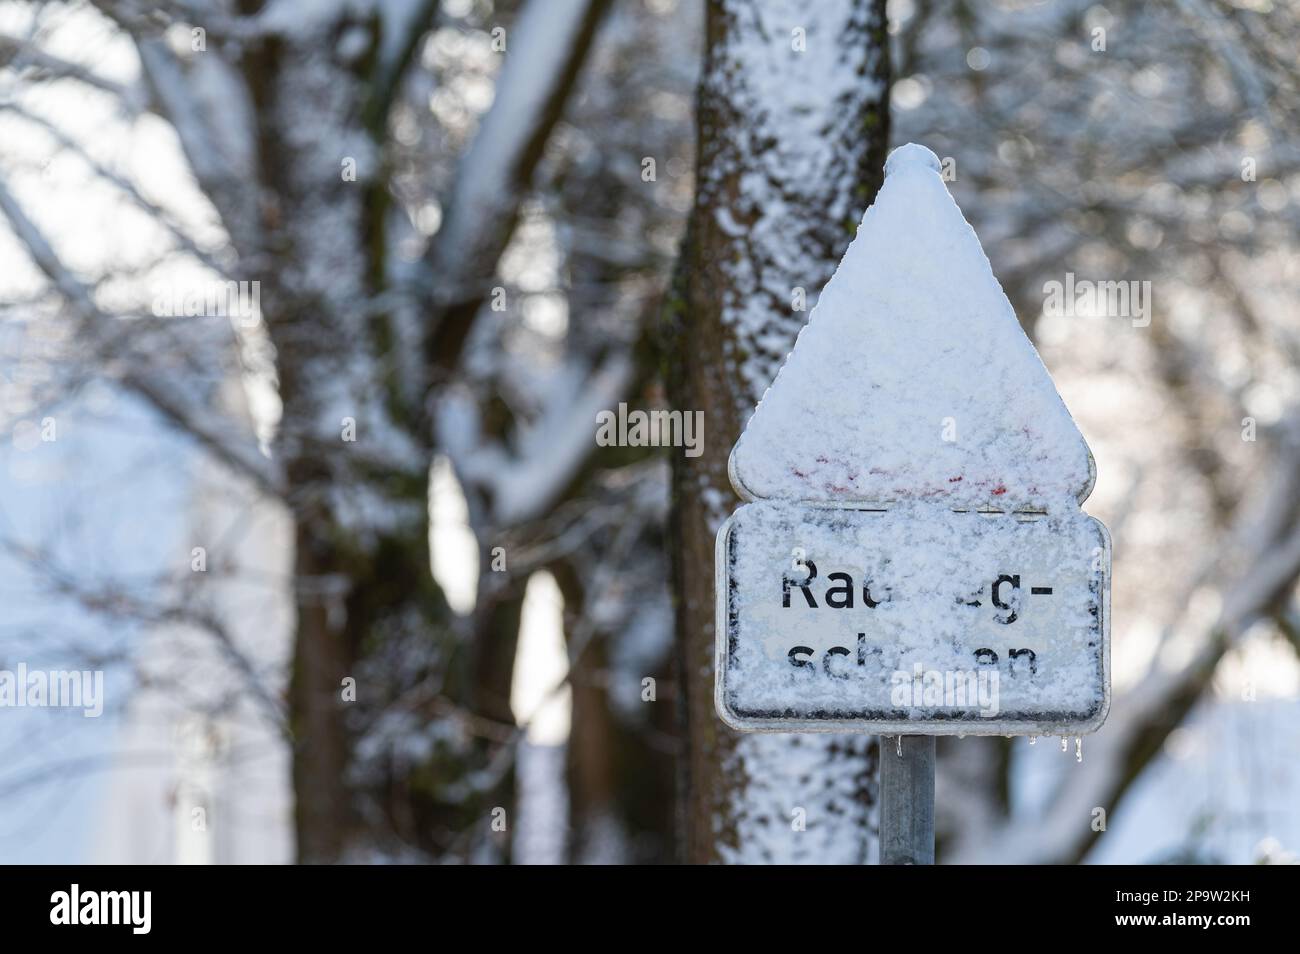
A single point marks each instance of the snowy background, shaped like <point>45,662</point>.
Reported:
<point>488,277</point>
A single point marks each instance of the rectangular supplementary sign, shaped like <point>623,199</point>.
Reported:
<point>912,621</point>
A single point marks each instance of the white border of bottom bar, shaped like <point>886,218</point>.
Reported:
<point>721,559</point>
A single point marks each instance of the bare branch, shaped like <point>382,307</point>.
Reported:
<point>16,54</point>
<point>115,602</point>
<point>209,435</point>
<point>127,187</point>
<point>399,42</point>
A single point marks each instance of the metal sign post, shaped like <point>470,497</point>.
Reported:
<point>907,800</point>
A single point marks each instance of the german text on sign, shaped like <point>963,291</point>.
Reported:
<point>917,618</point>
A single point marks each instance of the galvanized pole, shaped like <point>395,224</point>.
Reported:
<point>907,800</point>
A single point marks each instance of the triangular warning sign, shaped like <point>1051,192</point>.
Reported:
<point>913,379</point>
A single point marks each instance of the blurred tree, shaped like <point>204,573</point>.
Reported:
<point>1158,144</point>
<point>325,136</point>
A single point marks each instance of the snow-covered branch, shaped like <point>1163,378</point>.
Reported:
<point>522,486</point>
<point>210,108</point>
<point>547,47</point>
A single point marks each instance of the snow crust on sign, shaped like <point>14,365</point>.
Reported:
<point>923,566</point>
<point>913,378</point>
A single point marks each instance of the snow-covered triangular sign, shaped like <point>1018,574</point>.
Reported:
<point>913,380</point>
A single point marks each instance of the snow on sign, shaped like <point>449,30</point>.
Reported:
<point>912,621</point>
<point>914,560</point>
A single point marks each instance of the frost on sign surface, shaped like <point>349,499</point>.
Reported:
<point>916,619</point>
<point>913,379</point>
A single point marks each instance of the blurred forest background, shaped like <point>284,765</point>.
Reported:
<point>364,586</point>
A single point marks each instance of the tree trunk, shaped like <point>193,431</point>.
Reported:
<point>355,463</point>
<point>619,766</point>
<point>793,131</point>
<point>323,816</point>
